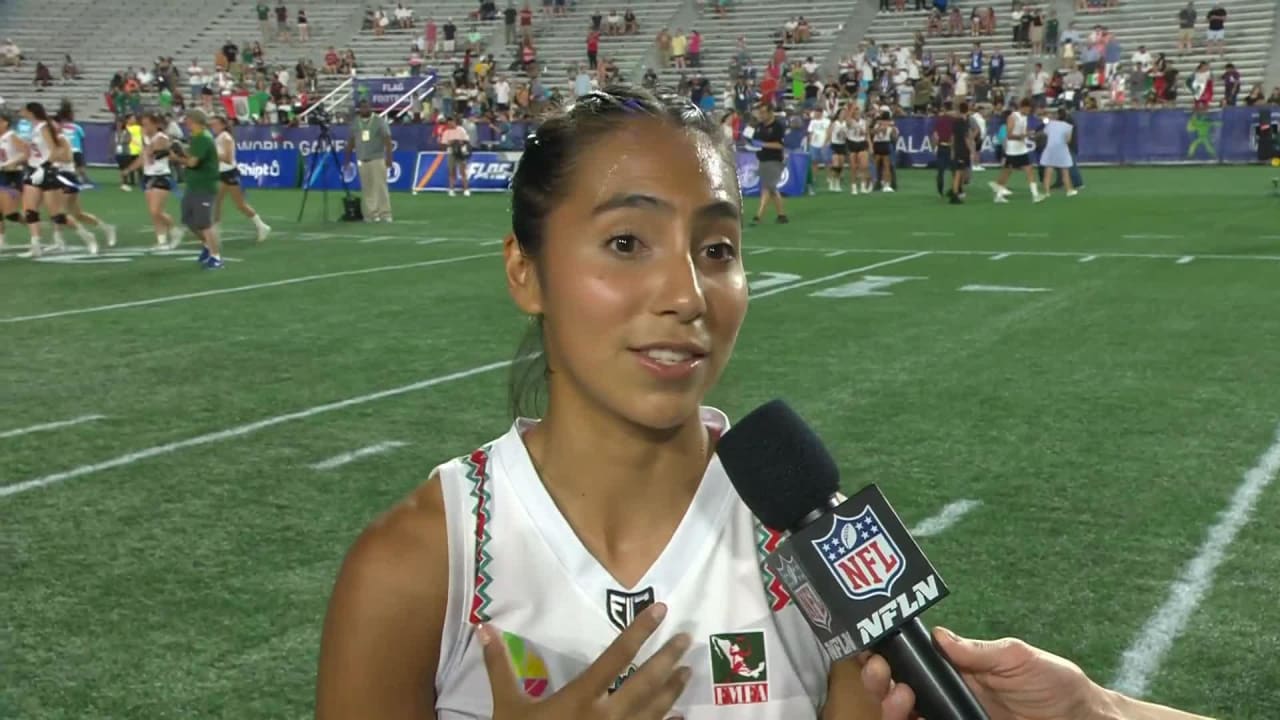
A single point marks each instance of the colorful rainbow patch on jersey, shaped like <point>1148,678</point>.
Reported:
<point>529,666</point>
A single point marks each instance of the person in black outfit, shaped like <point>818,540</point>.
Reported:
<point>769,133</point>
<point>962,152</point>
<point>943,134</point>
<point>509,23</point>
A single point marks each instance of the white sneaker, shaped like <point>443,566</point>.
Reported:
<point>853,189</point>
<point>887,188</point>
<point>1039,198</point>
<point>263,232</point>
<point>387,219</point>
<point>1002,199</point>
<point>466,193</point>
<point>110,230</point>
<point>175,238</point>
<point>34,252</point>
<point>1072,193</point>
<point>90,241</point>
<point>452,193</point>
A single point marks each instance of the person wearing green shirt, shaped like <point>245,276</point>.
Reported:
<point>201,161</point>
<point>264,20</point>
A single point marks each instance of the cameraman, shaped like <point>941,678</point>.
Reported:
<point>371,138</point>
<point>457,143</point>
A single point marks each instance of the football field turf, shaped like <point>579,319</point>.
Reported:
<point>185,455</point>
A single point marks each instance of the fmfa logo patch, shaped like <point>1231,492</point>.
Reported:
<point>861,555</point>
<point>739,668</point>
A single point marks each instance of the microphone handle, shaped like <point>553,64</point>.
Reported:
<point>914,660</point>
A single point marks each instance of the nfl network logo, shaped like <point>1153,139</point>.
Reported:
<point>861,555</point>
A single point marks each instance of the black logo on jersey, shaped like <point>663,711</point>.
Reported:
<point>623,607</point>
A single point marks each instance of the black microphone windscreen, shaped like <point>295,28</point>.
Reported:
<point>778,465</point>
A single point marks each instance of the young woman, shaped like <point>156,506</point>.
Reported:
<point>884,136</point>
<point>72,175</point>
<point>1057,154</point>
<point>124,158</point>
<point>458,144</point>
<point>859,172</point>
<point>838,136</point>
<point>157,180</point>
<point>13,155</point>
<point>522,570</point>
<point>41,183</point>
<point>229,178</point>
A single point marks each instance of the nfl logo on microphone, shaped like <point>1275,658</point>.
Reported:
<point>861,555</point>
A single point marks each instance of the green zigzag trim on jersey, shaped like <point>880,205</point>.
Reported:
<point>478,473</point>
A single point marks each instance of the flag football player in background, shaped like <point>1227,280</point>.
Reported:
<point>157,180</point>
<point>229,179</point>
<point>596,562</point>
<point>13,155</point>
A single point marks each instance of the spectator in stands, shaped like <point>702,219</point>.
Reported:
<point>430,34</point>
<point>43,78</point>
<point>955,22</point>
<point>1037,33</point>
<point>1274,97</point>
<point>1202,86</point>
<point>475,40</point>
<point>528,56</point>
<point>1038,83</point>
<point>10,54</point>
<point>593,47</point>
<point>1255,96</point>
<point>613,23</point>
<point>332,63</point>
<point>526,22</point>
<point>380,23</point>
<point>631,25</point>
<point>69,69</point>
<point>995,67</point>
<point>679,46</point>
<point>264,20</point>
<point>450,33</point>
<point>1230,85</point>
<point>1216,35</point>
<point>933,25</point>
<point>304,28</point>
<point>509,18</point>
<point>1186,27</point>
<point>597,20</point>
<point>694,51</point>
<point>282,23</point>
<point>663,41</point>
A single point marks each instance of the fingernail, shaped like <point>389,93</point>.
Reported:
<point>485,634</point>
<point>659,612</point>
<point>949,635</point>
<point>683,641</point>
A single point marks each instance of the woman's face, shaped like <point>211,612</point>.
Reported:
<point>640,280</point>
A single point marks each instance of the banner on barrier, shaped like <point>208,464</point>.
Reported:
<point>794,169</point>
<point>325,174</point>
<point>486,171</point>
<point>268,169</point>
<point>381,92</point>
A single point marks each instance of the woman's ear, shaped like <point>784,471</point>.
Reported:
<point>522,277</point>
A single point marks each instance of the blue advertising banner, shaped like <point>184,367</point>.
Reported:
<point>268,169</point>
<point>325,174</point>
<point>382,92</point>
<point>486,171</point>
<point>795,167</point>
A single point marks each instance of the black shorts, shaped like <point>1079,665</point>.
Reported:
<point>197,210</point>
<point>961,162</point>
<point>839,149</point>
<point>47,178</point>
<point>882,148</point>
<point>157,182</point>
<point>1017,162</point>
<point>11,179</point>
<point>858,146</point>
<point>68,182</point>
<point>124,161</point>
<point>77,157</point>
<point>230,177</point>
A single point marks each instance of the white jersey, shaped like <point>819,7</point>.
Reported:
<point>224,142</point>
<point>818,133</point>
<point>884,131</point>
<point>515,562</point>
<point>839,132</point>
<point>39,150</point>
<point>857,130</point>
<point>10,153</point>
<point>151,165</point>
<point>1017,126</point>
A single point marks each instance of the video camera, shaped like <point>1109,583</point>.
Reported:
<point>320,116</point>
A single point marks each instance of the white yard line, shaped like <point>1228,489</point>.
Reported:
<point>1186,259</point>
<point>347,457</point>
<point>948,516</point>
<point>932,234</point>
<point>240,288</point>
<point>1001,256</point>
<point>836,253</point>
<point>1001,288</point>
<point>1088,258</point>
<point>50,426</point>
<point>241,430</point>
<point>1151,237</point>
<point>1031,253</point>
<point>1028,235</point>
<point>834,276</point>
<point>1141,661</point>
<point>380,238</point>
<point>760,251</point>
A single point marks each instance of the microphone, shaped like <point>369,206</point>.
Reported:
<point>851,567</point>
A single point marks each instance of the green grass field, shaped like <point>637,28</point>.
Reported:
<point>173,558</point>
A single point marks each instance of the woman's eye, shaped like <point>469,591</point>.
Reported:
<point>721,251</point>
<point>625,244</point>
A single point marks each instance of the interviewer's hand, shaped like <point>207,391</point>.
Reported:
<point>646,695</point>
<point>1011,679</point>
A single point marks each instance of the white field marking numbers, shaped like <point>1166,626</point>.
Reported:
<point>948,516</point>
<point>758,281</point>
<point>378,239</point>
<point>1141,661</point>
<point>1001,256</point>
<point>868,286</point>
<point>349,457</point>
<point>836,276</point>
<point>1088,258</point>
<point>1034,253</point>
<point>49,426</point>
<point>1186,259</point>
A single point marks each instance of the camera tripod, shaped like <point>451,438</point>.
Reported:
<point>326,152</point>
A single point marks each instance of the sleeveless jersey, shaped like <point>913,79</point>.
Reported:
<point>857,130</point>
<point>225,140</point>
<point>39,150</point>
<point>884,132</point>
<point>152,166</point>
<point>9,152</point>
<point>839,132</point>
<point>515,562</point>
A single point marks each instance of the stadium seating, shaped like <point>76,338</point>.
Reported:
<point>1154,23</point>
<point>760,23</point>
<point>897,29</point>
